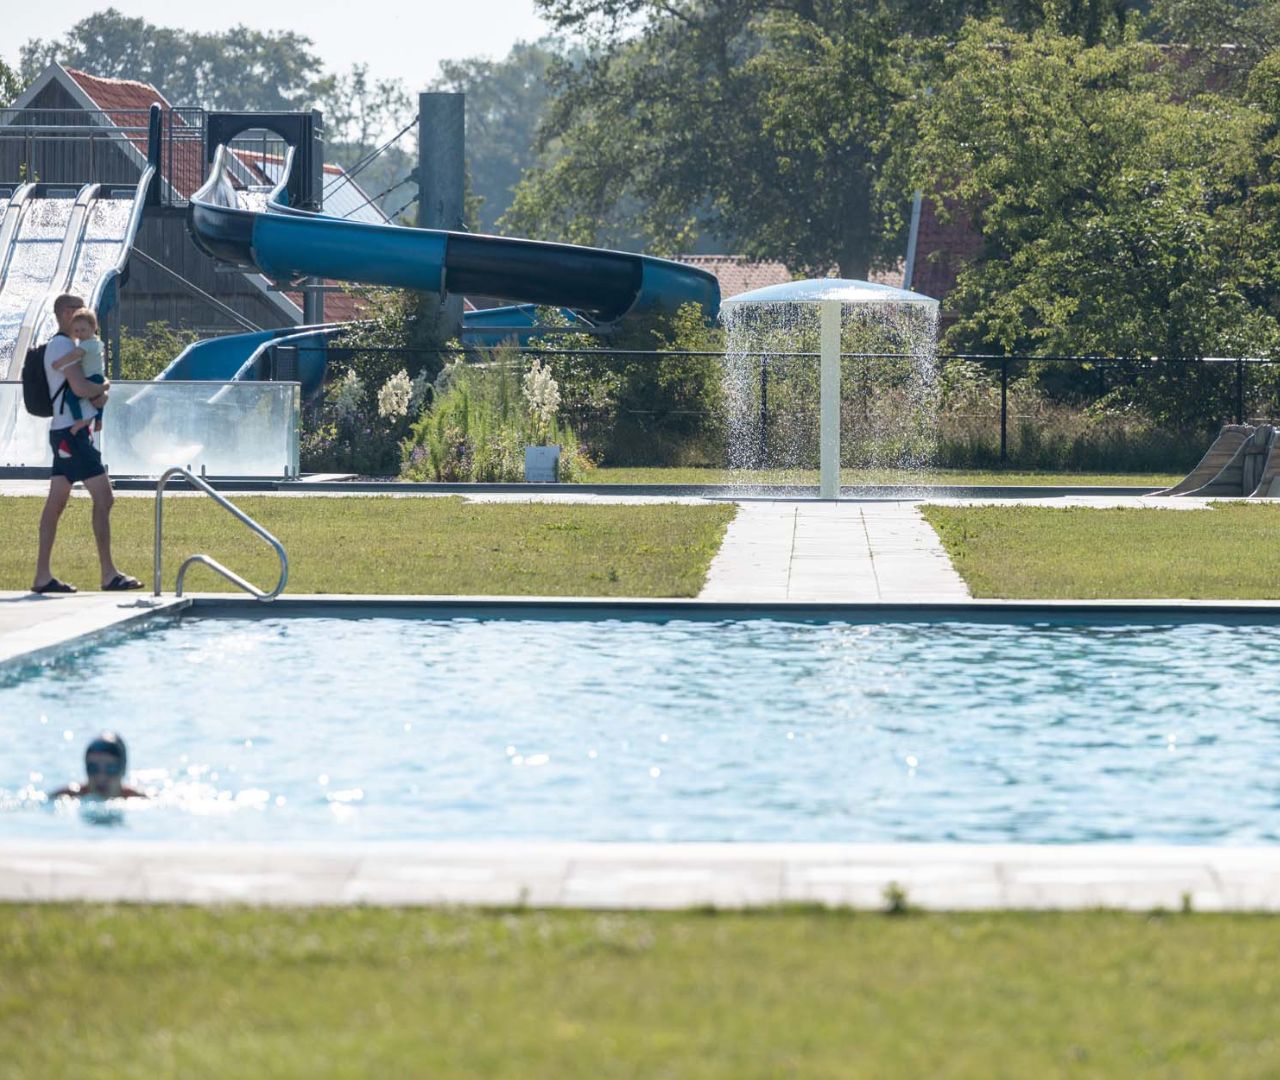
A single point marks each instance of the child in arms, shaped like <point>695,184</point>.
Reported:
<point>88,354</point>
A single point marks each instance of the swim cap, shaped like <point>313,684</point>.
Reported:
<point>108,743</point>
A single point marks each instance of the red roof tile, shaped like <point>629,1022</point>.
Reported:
<point>338,306</point>
<point>112,94</point>
<point>738,274</point>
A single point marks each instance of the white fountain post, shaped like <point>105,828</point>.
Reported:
<point>829,401</point>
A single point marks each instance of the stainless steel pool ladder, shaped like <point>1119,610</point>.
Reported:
<point>213,564</point>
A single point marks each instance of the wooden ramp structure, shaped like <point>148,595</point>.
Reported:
<point>1242,462</point>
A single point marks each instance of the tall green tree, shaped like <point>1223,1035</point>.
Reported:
<point>507,100</point>
<point>760,122</point>
<point>770,123</point>
<point>1115,217</point>
<point>238,68</point>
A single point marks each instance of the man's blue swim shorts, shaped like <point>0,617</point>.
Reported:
<point>75,456</point>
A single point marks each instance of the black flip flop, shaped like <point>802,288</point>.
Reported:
<point>53,585</point>
<point>122,583</point>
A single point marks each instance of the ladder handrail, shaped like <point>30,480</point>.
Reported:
<point>213,564</point>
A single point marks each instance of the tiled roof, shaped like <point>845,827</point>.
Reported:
<point>338,306</point>
<point>126,103</point>
<point>111,94</point>
<point>738,274</point>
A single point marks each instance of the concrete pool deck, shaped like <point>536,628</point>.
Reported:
<point>940,877</point>
<point>32,626</point>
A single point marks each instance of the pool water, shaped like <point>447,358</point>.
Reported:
<point>623,729</point>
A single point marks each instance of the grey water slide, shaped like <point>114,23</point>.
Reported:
<point>1243,461</point>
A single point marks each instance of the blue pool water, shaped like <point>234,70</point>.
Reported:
<point>635,729</point>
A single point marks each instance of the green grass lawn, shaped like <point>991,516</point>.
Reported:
<point>852,477</point>
<point>1231,552</point>
<point>125,992</point>
<point>390,545</point>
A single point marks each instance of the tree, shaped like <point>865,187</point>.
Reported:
<point>10,85</point>
<point>1115,217</point>
<point>752,120</point>
<point>506,102</point>
<point>768,122</point>
<point>360,113</point>
<point>236,69</point>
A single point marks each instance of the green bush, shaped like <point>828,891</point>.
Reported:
<point>480,422</point>
<point>144,355</point>
<point>355,429</point>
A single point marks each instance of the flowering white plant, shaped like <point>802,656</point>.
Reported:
<point>347,395</point>
<point>541,392</point>
<point>394,397</point>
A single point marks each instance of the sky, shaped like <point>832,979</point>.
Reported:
<point>396,40</point>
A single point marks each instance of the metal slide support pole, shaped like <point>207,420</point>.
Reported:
<point>1239,391</point>
<point>441,178</point>
<point>829,401</point>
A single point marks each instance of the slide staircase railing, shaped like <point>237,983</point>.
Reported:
<point>206,560</point>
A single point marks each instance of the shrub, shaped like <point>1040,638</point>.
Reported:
<point>144,355</point>
<point>357,429</point>
<point>482,417</point>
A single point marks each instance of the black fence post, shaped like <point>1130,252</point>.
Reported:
<point>1004,411</point>
<point>1239,391</point>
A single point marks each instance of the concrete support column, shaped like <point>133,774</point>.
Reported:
<point>829,401</point>
<point>441,173</point>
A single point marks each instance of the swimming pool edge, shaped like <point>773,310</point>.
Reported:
<point>647,876</point>
<point>88,618</point>
<point>49,624</point>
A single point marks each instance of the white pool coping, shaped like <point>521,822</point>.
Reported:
<point>935,877</point>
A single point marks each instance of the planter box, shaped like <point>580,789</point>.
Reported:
<point>541,464</point>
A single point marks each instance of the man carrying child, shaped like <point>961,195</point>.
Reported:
<point>77,402</point>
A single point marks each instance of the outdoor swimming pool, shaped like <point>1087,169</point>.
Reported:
<point>643,728</point>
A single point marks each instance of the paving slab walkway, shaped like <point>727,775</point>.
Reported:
<point>832,552</point>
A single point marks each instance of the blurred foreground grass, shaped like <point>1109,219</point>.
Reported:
<point>125,992</point>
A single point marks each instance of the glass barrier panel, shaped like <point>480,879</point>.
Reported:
<point>218,429</point>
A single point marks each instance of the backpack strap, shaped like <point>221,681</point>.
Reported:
<point>65,388</point>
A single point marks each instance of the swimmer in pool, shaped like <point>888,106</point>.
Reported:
<point>104,764</point>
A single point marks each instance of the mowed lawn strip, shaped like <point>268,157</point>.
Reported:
<point>854,477</point>
<point>140,992</point>
<point>1228,552</point>
<point>390,545</point>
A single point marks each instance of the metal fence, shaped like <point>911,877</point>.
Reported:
<point>76,146</point>
<point>988,409</point>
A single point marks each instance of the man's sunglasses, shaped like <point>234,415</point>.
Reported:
<point>109,768</point>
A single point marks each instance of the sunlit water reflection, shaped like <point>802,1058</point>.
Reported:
<point>407,729</point>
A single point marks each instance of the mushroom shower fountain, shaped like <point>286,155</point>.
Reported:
<point>891,332</point>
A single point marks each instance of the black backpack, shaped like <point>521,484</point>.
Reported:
<point>35,385</point>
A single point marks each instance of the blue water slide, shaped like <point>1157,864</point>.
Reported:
<point>289,244</point>
<point>236,357</point>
